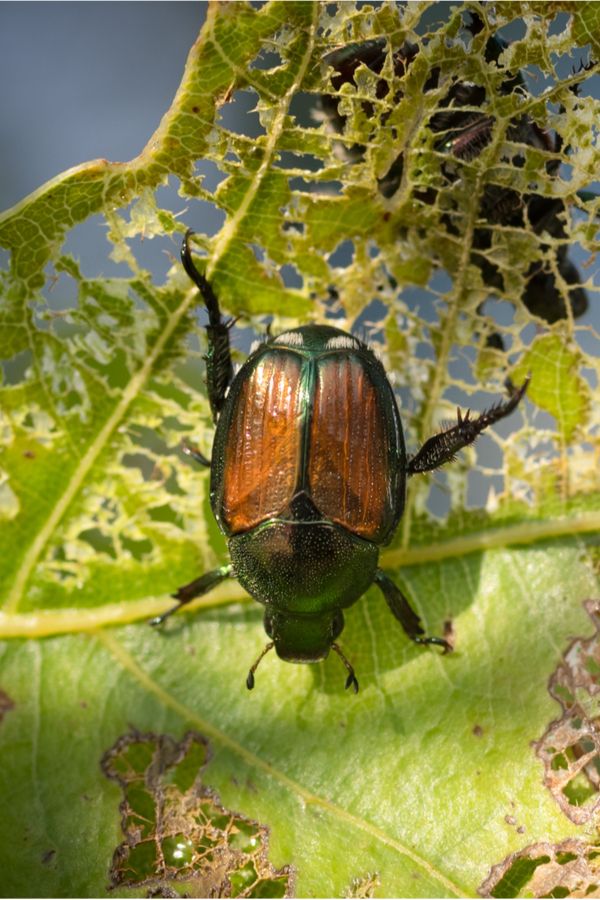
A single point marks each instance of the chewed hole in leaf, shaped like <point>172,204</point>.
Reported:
<point>570,748</point>
<point>176,832</point>
<point>580,790</point>
<point>303,186</point>
<point>239,115</point>
<point>100,542</point>
<point>289,160</point>
<point>302,110</point>
<point>518,876</point>
<point>342,255</point>
<point>165,513</point>
<point>266,60</point>
<point>291,276</point>
<point>210,173</point>
<point>15,369</point>
<point>137,549</point>
<point>145,464</point>
<point>206,217</point>
<point>568,869</point>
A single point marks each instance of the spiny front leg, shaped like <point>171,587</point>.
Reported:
<point>443,447</point>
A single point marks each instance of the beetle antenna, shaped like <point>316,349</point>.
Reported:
<point>250,678</point>
<point>351,679</point>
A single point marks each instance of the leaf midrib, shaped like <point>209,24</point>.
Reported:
<point>48,622</point>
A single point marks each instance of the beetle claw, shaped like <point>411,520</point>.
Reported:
<point>352,681</point>
<point>438,642</point>
<point>443,643</point>
<point>250,680</point>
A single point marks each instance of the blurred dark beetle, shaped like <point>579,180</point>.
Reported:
<point>464,129</point>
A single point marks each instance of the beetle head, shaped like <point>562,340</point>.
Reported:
<point>303,639</point>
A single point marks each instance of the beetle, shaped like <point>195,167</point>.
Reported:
<point>308,479</point>
<point>463,127</point>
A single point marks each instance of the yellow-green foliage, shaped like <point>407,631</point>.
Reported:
<point>428,777</point>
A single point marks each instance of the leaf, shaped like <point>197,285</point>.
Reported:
<point>585,26</point>
<point>558,389</point>
<point>428,782</point>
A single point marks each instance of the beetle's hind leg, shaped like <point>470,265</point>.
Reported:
<point>219,367</point>
<point>403,611</point>
<point>443,447</point>
<point>194,589</point>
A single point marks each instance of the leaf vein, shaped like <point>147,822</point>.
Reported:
<point>116,649</point>
<point>89,458</point>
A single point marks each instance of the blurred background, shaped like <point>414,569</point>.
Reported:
<point>83,81</point>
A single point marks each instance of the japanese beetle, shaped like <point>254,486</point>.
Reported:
<point>308,478</point>
<point>465,127</point>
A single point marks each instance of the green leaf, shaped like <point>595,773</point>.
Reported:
<point>586,23</point>
<point>135,760</point>
<point>558,388</point>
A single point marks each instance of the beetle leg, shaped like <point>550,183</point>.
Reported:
<point>194,589</point>
<point>351,680</point>
<point>443,447</point>
<point>402,610</point>
<point>197,455</point>
<point>219,367</point>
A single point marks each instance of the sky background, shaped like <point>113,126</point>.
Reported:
<point>82,81</point>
